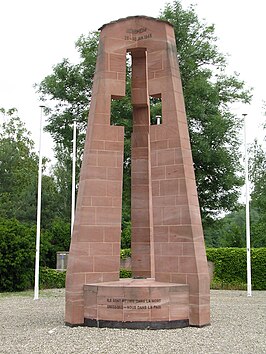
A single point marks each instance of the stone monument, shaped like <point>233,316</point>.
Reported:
<point>170,287</point>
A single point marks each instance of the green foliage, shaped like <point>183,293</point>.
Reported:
<point>62,174</point>
<point>230,269</point>
<point>58,236</point>
<point>17,252</point>
<point>233,285</point>
<point>230,231</point>
<point>231,265</point>
<point>18,248</point>
<point>125,273</point>
<point>258,234</point>
<point>18,166</point>
<point>208,93</point>
<point>257,171</point>
<point>19,174</point>
<point>258,264</point>
<point>126,234</point>
<point>51,278</point>
<point>125,253</point>
<point>70,87</point>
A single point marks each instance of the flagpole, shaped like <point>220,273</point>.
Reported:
<point>249,291</point>
<point>73,199</point>
<point>39,198</point>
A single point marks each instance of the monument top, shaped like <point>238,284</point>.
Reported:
<point>139,17</point>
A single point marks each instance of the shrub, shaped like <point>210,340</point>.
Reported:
<point>229,273</point>
<point>58,237</point>
<point>258,268</point>
<point>231,267</point>
<point>125,273</point>
<point>125,253</point>
<point>17,254</point>
<point>51,278</point>
<point>126,234</point>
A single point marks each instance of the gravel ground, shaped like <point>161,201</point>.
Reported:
<point>28,326</point>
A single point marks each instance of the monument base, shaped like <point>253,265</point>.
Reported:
<point>137,324</point>
<point>136,304</point>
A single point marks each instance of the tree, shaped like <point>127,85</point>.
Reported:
<point>58,238</point>
<point>18,176</point>
<point>208,94</point>
<point>230,231</point>
<point>70,87</point>
<point>258,194</point>
<point>17,254</point>
<point>18,165</point>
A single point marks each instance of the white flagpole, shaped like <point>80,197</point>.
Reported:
<point>39,198</point>
<point>73,199</point>
<point>249,293</point>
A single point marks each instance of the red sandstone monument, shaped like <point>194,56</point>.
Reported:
<point>168,251</point>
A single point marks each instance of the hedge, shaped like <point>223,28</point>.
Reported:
<point>51,278</point>
<point>229,271</point>
<point>230,267</point>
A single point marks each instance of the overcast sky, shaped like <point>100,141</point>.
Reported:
<point>35,35</point>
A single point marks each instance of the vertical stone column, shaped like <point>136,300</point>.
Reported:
<point>142,245</point>
<point>179,243</point>
<point>95,246</point>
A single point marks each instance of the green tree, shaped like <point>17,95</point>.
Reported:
<point>208,94</point>
<point>58,238</point>
<point>233,230</point>
<point>17,255</point>
<point>18,165</point>
<point>258,194</point>
<point>230,231</point>
<point>18,175</point>
<point>70,87</point>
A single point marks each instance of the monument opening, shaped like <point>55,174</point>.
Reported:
<point>136,75</point>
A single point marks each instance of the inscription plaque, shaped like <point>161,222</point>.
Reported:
<point>137,38</point>
<point>133,304</point>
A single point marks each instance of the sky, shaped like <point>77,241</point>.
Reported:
<point>35,35</point>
